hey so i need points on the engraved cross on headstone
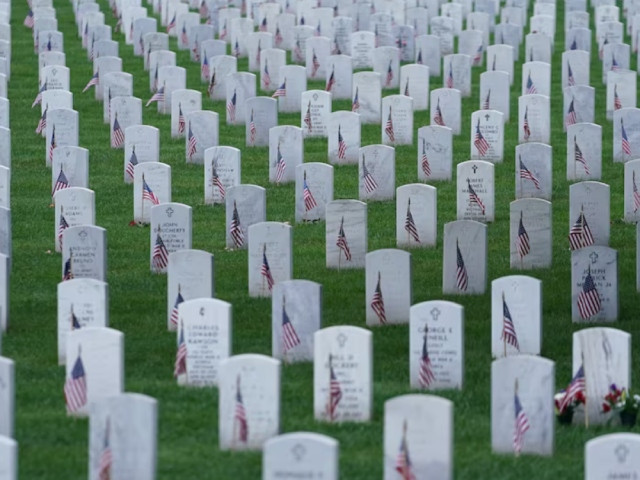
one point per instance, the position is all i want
(298, 451)
(621, 452)
(342, 339)
(594, 257)
(435, 313)
(169, 212)
(474, 168)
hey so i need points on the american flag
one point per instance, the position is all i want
(155, 77)
(85, 34)
(196, 50)
(526, 174)
(192, 143)
(419, 58)
(626, 146)
(118, 26)
(617, 104)
(133, 161)
(570, 79)
(531, 88)
(204, 9)
(49, 44)
(204, 68)
(342, 242)
(215, 180)
(172, 23)
(486, 105)
(388, 129)
(410, 224)
(403, 462)
(289, 336)
(108, 101)
(38, 98)
(614, 64)
(315, 64)
(266, 78)
(212, 83)
(370, 183)
(62, 226)
(636, 195)
(522, 241)
(493, 64)
(258, 53)
(579, 157)
(106, 457)
(480, 142)
(75, 387)
(342, 145)
(425, 373)
(281, 165)
(574, 44)
(147, 193)
(174, 310)
(580, 234)
(297, 51)
(474, 198)
(307, 118)
(61, 182)
(235, 229)
(438, 119)
(335, 392)
(355, 105)
(28, 20)
(184, 38)
(231, 107)
(525, 125)
(588, 299)
(223, 32)
(521, 425)
(281, 91)
(265, 270)
(477, 59)
(252, 129)
(240, 415)
(377, 303)
(318, 32)
(263, 25)
(307, 196)
(117, 137)
(68, 268)
(406, 88)
(42, 123)
(52, 145)
(462, 280)
(508, 328)
(389, 78)
(571, 117)
(449, 81)
(181, 122)
(93, 81)
(332, 80)
(92, 53)
(576, 387)
(426, 167)
(160, 258)
(278, 36)
(156, 97)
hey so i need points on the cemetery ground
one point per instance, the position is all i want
(52, 445)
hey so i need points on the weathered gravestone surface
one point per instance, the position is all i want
(151, 186)
(416, 215)
(314, 189)
(533, 170)
(339, 76)
(69, 168)
(533, 118)
(220, 67)
(124, 112)
(170, 231)
(435, 151)
(8, 458)
(530, 236)
(62, 129)
(414, 83)
(594, 284)
(575, 68)
(579, 105)
(428, 53)
(631, 192)
(487, 135)
(262, 115)
(245, 205)
(388, 286)
(626, 134)
(589, 200)
(397, 120)
(300, 454)
(500, 59)
(376, 172)
(4, 293)
(476, 191)
(292, 81)
(202, 131)
(344, 134)
(221, 172)
(445, 108)
(494, 92)
(536, 78)
(270, 256)
(114, 84)
(85, 252)
(457, 73)
(7, 396)
(240, 86)
(141, 144)
(183, 102)
(367, 89)
(612, 456)
(621, 90)
(315, 108)
(584, 151)
(157, 60)
(73, 206)
(464, 268)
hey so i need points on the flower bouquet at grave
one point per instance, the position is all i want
(565, 407)
(623, 402)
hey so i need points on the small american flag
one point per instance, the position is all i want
(571, 117)
(370, 183)
(215, 180)
(522, 241)
(240, 415)
(212, 83)
(342, 145)
(377, 303)
(133, 161)
(155, 76)
(252, 129)
(160, 258)
(425, 373)
(355, 105)
(477, 58)
(521, 425)
(62, 226)
(389, 78)
(419, 58)
(438, 119)
(570, 79)
(614, 64)
(258, 53)
(574, 44)
(147, 193)
(223, 32)
(92, 53)
(61, 182)
(204, 68)
(52, 145)
(281, 90)
(508, 328)
(388, 129)
(75, 387)
(406, 88)
(579, 157)
(493, 64)
(580, 234)
(281, 165)
(342, 242)
(263, 25)
(172, 23)
(462, 280)
(636, 195)
(617, 104)
(68, 268)
(204, 9)
(403, 461)
(265, 270)
(181, 122)
(192, 143)
(332, 80)
(307, 118)
(156, 97)
(525, 125)
(426, 167)
(486, 105)
(117, 137)
(297, 51)
(315, 64)
(335, 392)
(174, 311)
(449, 81)
(576, 387)
(526, 174)
(49, 44)
(235, 228)
(289, 336)
(266, 78)
(106, 457)
(318, 32)
(410, 224)
(626, 146)
(196, 50)
(231, 107)
(531, 88)
(307, 196)
(474, 198)
(480, 142)
(588, 299)
(28, 20)
(38, 98)
(278, 36)
(75, 324)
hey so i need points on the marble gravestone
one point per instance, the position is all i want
(445, 108)
(154, 42)
(124, 112)
(530, 239)
(362, 47)
(594, 284)
(386, 62)
(631, 192)
(73, 206)
(221, 172)
(318, 50)
(82, 302)
(487, 135)
(418, 437)
(249, 401)
(414, 83)
(376, 172)
(584, 151)
(476, 191)
(114, 84)
(435, 147)
(416, 216)
(626, 134)
(346, 234)
(388, 286)
(7, 397)
(538, 47)
(4, 294)
(157, 60)
(70, 163)
(516, 316)
(62, 130)
(141, 144)
(494, 93)
(262, 116)
(270, 256)
(621, 90)
(533, 170)
(202, 132)
(397, 120)
(457, 73)
(533, 118)
(9, 457)
(464, 268)
(5, 187)
(183, 102)
(296, 314)
(442, 27)
(575, 68)
(339, 77)
(344, 135)
(536, 78)
(292, 81)
(245, 205)
(101, 67)
(500, 58)
(428, 53)
(84, 254)
(5, 147)
(342, 374)
(522, 387)
(171, 231)
(436, 345)
(151, 186)
(314, 189)
(240, 87)
(593, 200)
(613, 455)
(206, 326)
(220, 67)
(315, 108)
(286, 152)
(366, 101)
(170, 78)
(271, 61)
(299, 455)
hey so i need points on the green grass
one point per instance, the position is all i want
(53, 446)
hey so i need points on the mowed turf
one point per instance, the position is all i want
(53, 446)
